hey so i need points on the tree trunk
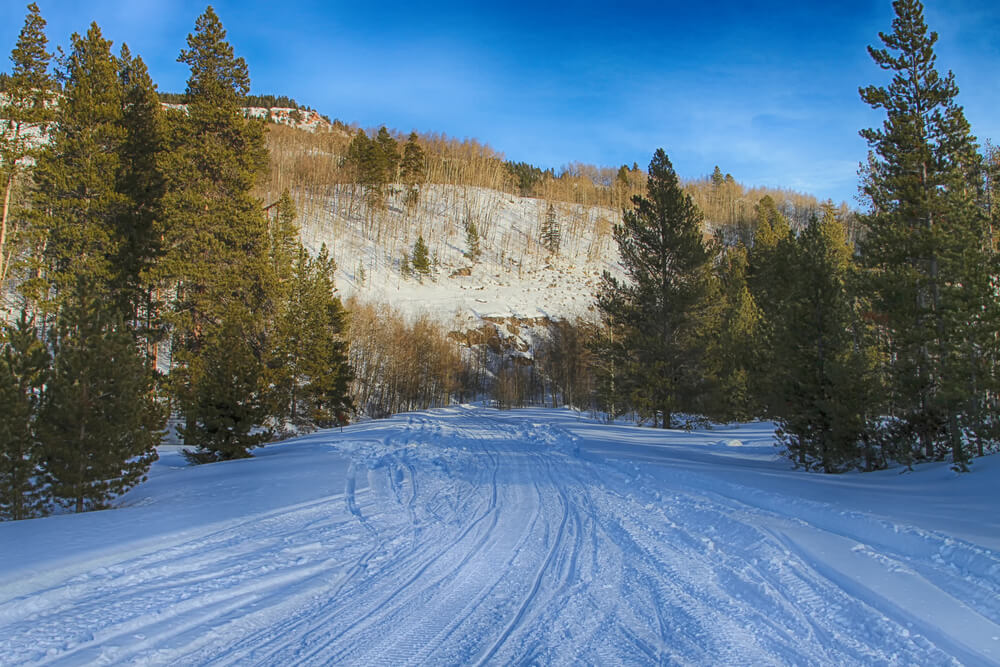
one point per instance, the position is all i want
(8, 188)
(957, 452)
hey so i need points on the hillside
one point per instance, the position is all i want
(515, 276)
(300, 119)
(467, 181)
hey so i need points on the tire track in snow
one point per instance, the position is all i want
(112, 606)
(470, 589)
(792, 587)
(556, 544)
(145, 560)
(525, 552)
(393, 598)
(444, 611)
(393, 602)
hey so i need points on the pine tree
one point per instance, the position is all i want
(78, 205)
(25, 108)
(373, 163)
(660, 306)
(420, 259)
(326, 395)
(24, 368)
(771, 227)
(142, 182)
(308, 375)
(217, 237)
(824, 374)
(991, 175)
(361, 159)
(769, 278)
(924, 249)
(472, 249)
(388, 156)
(283, 246)
(739, 338)
(99, 186)
(717, 178)
(353, 158)
(311, 350)
(221, 393)
(279, 274)
(412, 169)
(100, 420)
(218, 251)
(622, 178)
(551, 234)
(94, 218)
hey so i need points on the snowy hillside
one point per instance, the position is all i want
(303, 119)
(515, 277)
(470, 536)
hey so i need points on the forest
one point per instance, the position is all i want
(151, 267)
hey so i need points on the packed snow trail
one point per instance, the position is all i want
(470, 536)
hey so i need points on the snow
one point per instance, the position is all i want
(309, 121)
(471, 536)
(514, 276)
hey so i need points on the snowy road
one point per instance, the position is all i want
(469, 536)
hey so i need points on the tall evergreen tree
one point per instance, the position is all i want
(94, 206)
(717, 178)
(217, 235)
(738, 340)
(311, 350)
(661, 303)
(388, 156)
(412, 169)
(925, 243)
(25, 109)
(24, 368)
(824, 372)
(218, 248)
(622, 178)
(100, 420)
(362, 159)
(769, 278)
(98, 184)
(374, 163)
(991, 173)
(78, 205)
(283, 247)
(143, 184)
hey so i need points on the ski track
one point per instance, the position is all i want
(489, 539)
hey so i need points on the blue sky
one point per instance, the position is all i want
(766, 90)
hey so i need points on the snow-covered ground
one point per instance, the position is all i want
(514, 276)
(468, 536)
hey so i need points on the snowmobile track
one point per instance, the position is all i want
(470, 536)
